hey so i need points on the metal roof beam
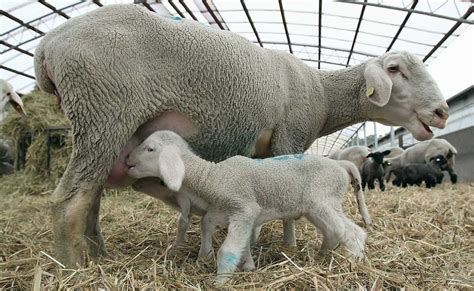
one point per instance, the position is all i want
(323, 62)
(413, 5)
(324, 47)
(97, 2)
(282, 11)
(16, 48)
(450, 32)
(320, 16)
(20, 44)
(213, 15)
(8, 15)
(17, 72)
(362, 11)
(187, 9)
(176, 8)
(251, 22)
(41, 17)
(463, 20)
(51, 7)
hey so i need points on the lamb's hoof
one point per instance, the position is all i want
(222, 280)
(248, 266)
(205, 256)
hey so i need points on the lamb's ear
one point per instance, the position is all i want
(370, 155)
(387, 152)
(171, 167)
(379, 85)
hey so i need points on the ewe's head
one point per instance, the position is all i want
(7, 94)
(378, 156)
(159, 156)
(406, 93)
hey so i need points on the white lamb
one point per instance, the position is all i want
(251, 192)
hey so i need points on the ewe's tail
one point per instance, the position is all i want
(43, 70)
(356, 185)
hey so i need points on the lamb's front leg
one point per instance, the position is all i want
(184, 219)
(236, 243)
(208, 225)
(289, 232)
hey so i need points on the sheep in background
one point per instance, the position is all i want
(8, 95)
(122, 72)
(424, 151)
(356, 154)
(251, 192)
(373, 169)
(430, 173)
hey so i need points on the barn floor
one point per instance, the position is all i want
(422, 239)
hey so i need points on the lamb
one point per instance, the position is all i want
(8, 95)
(251, 192)
(430, 173)
(188, 204)
(356, 154)
(423, 152)
(122, 73)
(374, 170)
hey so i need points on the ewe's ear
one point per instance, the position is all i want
(171, 167)
(387, 152)
(379, 85)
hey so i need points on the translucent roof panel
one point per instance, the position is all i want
(324, 34)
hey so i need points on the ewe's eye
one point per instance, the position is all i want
(150, 149)
(393, 68)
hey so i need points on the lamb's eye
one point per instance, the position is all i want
(9, 94)
(150, 149)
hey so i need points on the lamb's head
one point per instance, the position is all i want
(8, 95)
(378, 156)
(439, 161)
(406, 94)
(159, 156)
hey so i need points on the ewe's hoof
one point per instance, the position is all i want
(221, 280)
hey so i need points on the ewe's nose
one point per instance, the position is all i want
(441, 116)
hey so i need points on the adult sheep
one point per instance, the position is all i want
(424, 151)
(356, 154)
(122, 72)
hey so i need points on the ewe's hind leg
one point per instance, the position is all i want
(98, 137)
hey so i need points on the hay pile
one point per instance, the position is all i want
(422, 239)
(42, 112)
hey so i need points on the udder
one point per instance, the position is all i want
(173, 121)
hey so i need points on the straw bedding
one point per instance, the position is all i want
(422, 239)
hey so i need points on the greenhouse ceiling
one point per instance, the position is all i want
(324, 34)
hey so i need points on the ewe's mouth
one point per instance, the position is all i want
(426, 126)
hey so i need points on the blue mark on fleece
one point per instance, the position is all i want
(284, 158)
(177, 18)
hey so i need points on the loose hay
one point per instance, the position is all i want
(422, 239)
(42, 113)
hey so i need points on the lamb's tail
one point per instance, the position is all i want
(43, 69)
(354, 175)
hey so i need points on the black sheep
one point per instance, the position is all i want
(415, 174)
(373, 169)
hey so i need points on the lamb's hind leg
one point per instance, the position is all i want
(329, 222)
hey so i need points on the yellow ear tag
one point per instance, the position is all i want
(370, 91)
